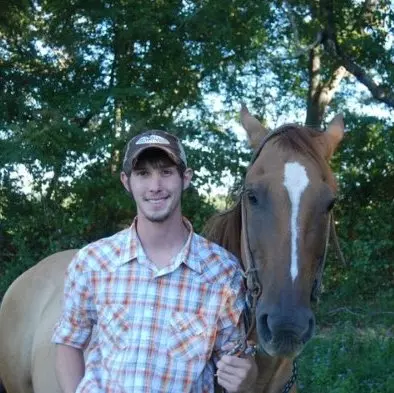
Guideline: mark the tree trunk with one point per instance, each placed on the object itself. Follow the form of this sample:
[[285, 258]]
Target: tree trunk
[[320, 94]]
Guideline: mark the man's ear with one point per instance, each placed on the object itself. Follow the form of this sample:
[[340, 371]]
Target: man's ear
[[125, 181], [187, 178]]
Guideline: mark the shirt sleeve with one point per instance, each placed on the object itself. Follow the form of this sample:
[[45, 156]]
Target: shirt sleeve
[[79, 314], [230, 327], [230, 323]]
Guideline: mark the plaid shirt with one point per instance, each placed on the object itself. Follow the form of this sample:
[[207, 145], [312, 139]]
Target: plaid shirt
[[155, 330]]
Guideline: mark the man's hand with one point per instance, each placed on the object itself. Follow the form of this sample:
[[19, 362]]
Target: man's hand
[[237, 374]]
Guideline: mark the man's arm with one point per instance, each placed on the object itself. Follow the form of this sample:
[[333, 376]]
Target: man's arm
[[70, 367], [73, 329], [234, 373]]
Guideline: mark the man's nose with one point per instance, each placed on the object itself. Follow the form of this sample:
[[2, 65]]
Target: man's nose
[[155, 182]]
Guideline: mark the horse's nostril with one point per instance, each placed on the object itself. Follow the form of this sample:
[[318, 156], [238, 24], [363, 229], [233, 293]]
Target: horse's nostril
[[265, 330]]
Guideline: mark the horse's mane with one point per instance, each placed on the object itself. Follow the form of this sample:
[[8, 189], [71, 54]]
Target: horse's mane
[[224, 228]]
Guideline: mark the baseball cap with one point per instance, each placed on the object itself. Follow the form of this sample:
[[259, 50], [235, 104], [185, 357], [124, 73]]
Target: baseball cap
[[154, 139]]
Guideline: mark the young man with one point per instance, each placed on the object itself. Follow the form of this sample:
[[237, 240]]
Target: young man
[[163, 303]]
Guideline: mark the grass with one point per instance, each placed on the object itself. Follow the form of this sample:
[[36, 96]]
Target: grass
[[352, 350]]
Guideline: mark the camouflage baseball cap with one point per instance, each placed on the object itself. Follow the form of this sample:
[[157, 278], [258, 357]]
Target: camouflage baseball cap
[[154, 139]]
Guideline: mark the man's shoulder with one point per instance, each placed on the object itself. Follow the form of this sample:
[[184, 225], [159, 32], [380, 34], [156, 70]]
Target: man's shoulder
[[215, 257], [216, 248], [100, 254]]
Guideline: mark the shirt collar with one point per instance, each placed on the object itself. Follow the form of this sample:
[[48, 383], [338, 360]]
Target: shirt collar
[[130, 244]]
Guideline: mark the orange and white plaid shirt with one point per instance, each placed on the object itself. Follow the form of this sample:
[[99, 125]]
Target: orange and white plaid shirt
[[158, 330]]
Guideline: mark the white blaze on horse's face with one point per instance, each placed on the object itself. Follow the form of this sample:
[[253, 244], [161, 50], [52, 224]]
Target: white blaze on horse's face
[[295, 181]]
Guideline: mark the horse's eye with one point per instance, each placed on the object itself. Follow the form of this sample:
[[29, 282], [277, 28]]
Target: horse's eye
[[251, 197], [331, 205]]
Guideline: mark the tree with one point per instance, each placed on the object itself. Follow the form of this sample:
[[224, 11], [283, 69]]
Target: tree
[[78, 82]]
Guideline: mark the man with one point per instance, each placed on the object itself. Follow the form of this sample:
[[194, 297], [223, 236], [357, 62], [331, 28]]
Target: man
[[165, 304]]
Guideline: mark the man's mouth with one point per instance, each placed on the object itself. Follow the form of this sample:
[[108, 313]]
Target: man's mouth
[[156, 201]]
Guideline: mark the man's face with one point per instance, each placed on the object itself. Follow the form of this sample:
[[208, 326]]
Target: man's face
[[156, 189]]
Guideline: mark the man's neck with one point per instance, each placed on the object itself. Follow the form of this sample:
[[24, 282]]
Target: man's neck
[[162, 240]]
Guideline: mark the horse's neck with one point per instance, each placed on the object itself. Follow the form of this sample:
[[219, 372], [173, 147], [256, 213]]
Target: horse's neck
[[273, 375]]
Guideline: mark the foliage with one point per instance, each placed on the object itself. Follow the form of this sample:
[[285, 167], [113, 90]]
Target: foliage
[[347, 359], [352, 348], [365, 206]]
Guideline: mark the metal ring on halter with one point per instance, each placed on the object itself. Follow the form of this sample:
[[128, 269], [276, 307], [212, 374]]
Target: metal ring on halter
[[251, 350]]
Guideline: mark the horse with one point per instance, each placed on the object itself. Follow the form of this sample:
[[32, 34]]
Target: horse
[[278, 229]]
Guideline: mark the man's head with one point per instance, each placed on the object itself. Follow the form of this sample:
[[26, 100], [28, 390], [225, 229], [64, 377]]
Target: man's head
[[155, 173]]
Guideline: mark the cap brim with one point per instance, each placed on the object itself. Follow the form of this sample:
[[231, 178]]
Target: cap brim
[[170, 153]]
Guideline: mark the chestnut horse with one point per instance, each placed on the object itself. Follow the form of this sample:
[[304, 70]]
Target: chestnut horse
[[278, 229]]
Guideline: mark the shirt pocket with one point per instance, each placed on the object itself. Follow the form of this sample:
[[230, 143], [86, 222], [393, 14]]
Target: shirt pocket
[[115, 325], [189, 338]]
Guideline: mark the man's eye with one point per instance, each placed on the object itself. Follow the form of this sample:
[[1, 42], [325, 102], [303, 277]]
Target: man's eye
[[167, 172], [142, 173]]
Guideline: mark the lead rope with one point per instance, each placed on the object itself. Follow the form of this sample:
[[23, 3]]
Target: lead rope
[[292, 379], [336, 241]]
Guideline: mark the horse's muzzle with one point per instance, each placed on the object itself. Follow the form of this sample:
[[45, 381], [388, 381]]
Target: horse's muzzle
[[285, 334]]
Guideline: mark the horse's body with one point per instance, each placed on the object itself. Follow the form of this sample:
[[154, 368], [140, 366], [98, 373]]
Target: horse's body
[[278, 229], [28, 312]]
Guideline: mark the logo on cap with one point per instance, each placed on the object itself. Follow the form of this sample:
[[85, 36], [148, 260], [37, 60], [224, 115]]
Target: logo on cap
[[152, 139]]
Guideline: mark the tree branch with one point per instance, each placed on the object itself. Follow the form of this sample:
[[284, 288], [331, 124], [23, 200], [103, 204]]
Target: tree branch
[[331, 44], [380, 93], [300, 50], [332, 85]]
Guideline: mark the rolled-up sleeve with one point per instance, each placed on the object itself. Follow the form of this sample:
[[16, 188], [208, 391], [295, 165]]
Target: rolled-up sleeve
[[230, 324], [79, 314]]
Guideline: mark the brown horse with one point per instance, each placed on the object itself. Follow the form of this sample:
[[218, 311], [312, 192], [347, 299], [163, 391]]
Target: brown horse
[[278, 229]]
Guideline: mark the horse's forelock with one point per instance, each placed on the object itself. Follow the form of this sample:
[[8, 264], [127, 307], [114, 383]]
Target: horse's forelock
[[308, 142]]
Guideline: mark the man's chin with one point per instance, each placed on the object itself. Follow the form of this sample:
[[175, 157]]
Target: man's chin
[[158, 217]]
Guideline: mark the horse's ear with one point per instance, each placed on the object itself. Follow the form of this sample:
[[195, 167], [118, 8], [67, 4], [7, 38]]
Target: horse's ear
[[334, 134], [256, 132]]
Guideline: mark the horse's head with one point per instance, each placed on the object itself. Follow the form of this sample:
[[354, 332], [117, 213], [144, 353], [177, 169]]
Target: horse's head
[[288, 194]]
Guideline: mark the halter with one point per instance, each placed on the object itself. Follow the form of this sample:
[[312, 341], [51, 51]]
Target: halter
[[253, 285]]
